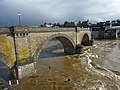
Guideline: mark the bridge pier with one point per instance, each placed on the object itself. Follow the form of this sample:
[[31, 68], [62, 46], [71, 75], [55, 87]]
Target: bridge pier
[[69, 51], [91, 42], [79, 49], [26, 69]]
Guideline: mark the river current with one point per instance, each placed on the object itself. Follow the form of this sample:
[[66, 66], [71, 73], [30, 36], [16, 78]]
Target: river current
[[98, 68]]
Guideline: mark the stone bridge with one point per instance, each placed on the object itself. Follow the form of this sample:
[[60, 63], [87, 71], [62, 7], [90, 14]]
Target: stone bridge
[[26, 43]]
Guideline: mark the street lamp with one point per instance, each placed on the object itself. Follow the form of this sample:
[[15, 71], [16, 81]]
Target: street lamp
[[19, 19]]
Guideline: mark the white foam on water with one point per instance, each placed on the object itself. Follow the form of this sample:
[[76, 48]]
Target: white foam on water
[[91, 55], [99, 85], [107, 49], [104, 73], [95, 46]]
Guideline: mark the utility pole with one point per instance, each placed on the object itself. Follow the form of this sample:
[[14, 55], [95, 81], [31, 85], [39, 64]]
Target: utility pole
[[14, 41], [14, 69]]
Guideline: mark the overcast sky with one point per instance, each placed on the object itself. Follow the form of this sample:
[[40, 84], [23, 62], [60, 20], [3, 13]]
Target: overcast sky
[[36, 12]]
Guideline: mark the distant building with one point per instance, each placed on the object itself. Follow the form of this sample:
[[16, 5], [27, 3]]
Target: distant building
[[114, 32], [106, 30], [48, 25], [83, 24], [98, 32]]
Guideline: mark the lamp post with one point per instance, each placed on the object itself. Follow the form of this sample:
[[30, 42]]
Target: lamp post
[[19, 19]]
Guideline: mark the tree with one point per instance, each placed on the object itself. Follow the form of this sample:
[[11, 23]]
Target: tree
[[65, 23], [57, 24], [79, 24]]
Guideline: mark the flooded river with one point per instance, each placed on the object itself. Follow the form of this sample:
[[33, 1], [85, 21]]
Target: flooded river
[[92, 70]]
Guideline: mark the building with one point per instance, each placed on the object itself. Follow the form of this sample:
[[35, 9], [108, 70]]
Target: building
[[114, 32], [106, 30], [48, 25]]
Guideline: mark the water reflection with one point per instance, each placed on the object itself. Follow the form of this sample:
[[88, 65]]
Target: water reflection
[[4, 71], [4, 77]]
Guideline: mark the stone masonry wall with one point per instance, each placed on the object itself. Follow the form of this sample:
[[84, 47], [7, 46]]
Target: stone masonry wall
[[37, 39], [7, 48], [22, 48]]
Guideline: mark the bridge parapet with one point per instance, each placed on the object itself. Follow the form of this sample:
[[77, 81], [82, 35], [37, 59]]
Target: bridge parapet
[[42, 29], [27, 29], [4, 30]]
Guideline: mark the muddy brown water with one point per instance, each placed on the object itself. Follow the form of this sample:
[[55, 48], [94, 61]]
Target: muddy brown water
[[87, 71]]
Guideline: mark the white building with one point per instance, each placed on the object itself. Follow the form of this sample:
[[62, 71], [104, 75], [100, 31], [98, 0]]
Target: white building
[[48, 25]]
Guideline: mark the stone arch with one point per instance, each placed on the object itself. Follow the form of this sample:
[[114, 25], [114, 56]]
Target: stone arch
[[85, 39], [67, 42]]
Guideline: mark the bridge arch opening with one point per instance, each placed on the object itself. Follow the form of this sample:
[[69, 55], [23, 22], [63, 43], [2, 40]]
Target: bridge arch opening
[[85, 40], [67, 43]]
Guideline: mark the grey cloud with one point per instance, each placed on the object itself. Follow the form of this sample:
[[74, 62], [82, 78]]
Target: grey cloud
[[40, 11]]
